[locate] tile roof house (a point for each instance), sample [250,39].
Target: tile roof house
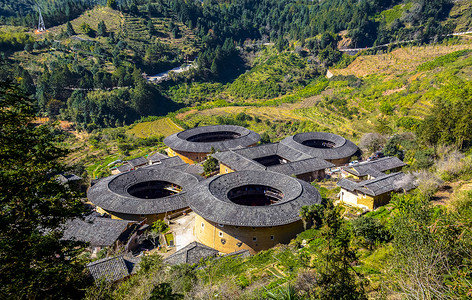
[99,232]
[371,193]
[273,157]
[374,168]
[156,158]
[112,269]
[137,162]
[191,254]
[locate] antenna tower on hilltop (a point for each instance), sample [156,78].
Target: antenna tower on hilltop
[41,26]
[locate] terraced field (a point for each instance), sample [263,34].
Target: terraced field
[161,127]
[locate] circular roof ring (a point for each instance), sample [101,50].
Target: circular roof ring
[323,145]
[149,190]
[220,137]
[252,198]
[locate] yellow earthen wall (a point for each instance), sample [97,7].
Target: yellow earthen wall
[188,157]
[224,169]
[213,235]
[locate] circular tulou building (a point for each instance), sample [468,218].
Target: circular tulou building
[150,193]
[324,145]
[193,145]
[249,210]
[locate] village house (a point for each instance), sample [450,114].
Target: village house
[373,169]
[372,193]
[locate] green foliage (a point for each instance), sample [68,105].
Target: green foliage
[450,121]
[163,291]
[442,60]
[430,250]
[312,215]
[102,29]
[36,263]
[159,226]
[210,165]
[337,278]
[69,29]
[272,77]
[15,41]
[371,230]
[265,138]
[86,29]
[150,262]
[111,4]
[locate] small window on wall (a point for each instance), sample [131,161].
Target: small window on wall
[221,225]
[223,241]
[239,244]
[220,234]
[272,237]
[203,225]
[254,239]
[226,170]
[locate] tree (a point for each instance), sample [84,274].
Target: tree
[265,138]
[371,142]
[312,215]
[211,164]
[164,291]
[34,262]
[371,230]
[86,29]
[69,29]
[102,29]
[111,4]
[337,278]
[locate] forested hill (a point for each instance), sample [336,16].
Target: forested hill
[369,21]
[87,68]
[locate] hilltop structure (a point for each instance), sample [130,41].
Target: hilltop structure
[324,145]
[249,210]
[152,192]
[275,157]
[193,145]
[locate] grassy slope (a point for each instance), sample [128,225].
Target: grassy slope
[393,79]
[162,127]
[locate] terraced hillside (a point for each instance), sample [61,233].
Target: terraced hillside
[385,92]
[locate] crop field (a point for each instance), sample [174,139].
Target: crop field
[398,61]
[161,127]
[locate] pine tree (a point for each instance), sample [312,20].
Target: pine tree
[34,261]
[69,29]
[102,29]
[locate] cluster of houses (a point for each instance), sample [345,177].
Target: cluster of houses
[251,205]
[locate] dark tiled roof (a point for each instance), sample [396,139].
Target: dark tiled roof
[99,232]
[139,161]
[375,187]
[180,141]
[209,199]
[157,157]
[68,178]
[110,269]
[301,166]
[191,254]
[112,194]
[342,147]
[298,162]
[375,167]
[124,168]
